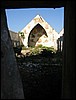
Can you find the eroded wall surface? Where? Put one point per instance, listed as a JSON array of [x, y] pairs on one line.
[[33, 28]]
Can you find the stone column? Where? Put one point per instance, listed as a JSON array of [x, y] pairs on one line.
[[11, 85], [68, 79]]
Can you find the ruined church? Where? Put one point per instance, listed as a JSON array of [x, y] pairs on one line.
[[39, 32]]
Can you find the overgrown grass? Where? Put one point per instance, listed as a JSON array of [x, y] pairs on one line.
[[38, 49], [24, 48]]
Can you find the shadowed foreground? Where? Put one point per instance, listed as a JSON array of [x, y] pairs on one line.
[[41, 77]]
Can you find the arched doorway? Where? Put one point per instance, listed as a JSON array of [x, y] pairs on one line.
[[35, 34]]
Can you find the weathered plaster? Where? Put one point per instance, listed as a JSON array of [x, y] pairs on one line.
[[52, 35]]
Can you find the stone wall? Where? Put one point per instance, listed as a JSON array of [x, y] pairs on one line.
[[50, 39], [11, 85], [16, 41]]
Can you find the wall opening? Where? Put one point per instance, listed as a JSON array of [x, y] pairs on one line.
[[35, 35], [41, 74]]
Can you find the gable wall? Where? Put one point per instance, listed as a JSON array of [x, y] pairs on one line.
[[51, 40]]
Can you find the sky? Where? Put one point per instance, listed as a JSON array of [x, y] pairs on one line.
[[17, 19]]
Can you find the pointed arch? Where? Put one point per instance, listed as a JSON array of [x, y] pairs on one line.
[[35, 34]]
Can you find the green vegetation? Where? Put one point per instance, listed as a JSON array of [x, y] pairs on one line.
[[39, 50], [24, 48], [21, 34], [33, 35]]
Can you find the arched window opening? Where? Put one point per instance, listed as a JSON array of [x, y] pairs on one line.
[[35, 34]]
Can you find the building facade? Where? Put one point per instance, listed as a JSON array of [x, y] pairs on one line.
[[16, 41], [39, 32]]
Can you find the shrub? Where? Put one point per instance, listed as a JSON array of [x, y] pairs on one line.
[[35, 51], [24, 48], [46, 48], [41, 50], [21, 34]]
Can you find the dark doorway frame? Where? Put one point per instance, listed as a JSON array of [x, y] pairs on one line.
[[68, 79]]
